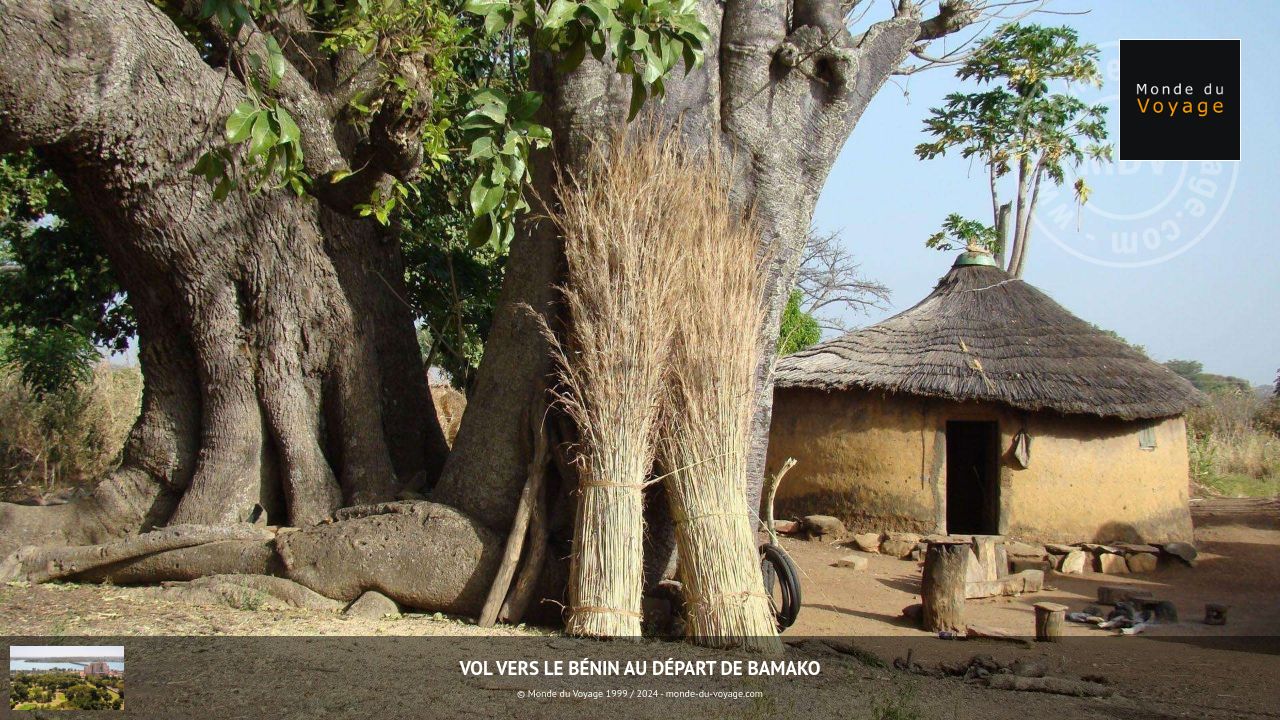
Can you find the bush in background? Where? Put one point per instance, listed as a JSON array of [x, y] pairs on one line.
[[65, 439], [1234, 443]]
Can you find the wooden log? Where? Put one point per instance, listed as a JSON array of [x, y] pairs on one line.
[[530, 572], [519, 526], [943, 587], [1049, 621]]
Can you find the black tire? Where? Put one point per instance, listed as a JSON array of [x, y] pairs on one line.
[[778, 568]]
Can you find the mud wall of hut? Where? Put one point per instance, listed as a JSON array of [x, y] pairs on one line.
[[879, 463]]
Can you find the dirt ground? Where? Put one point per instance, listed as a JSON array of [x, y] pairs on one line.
[[1178, 670]]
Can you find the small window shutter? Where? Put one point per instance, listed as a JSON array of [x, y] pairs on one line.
[[1147, 438]]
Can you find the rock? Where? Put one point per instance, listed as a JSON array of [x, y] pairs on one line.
[[1128, 548], [1095, 548], [913, 612], [1142, 562], [1112, 594], [983, 589], [786, 527], [1023, 667], [1164, 611], [973, 571], [1033, 580], [1073, 563], [821, 526], [1186, 552], [1057, 549], [908, 537], [1016, 548], [853, 562], [1018, 564], [1110, 564], [867, 542], [897, 548], [372, 605]]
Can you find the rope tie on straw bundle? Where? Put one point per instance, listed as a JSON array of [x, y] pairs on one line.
[[692, 599], [702, 516], [605, 610]]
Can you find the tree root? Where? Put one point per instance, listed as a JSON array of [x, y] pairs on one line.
[[43, 563], [420, 554]]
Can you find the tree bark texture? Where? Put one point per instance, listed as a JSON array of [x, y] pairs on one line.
[[281, 368], [942, 588]]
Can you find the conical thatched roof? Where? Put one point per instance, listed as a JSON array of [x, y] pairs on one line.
[[983, 335]]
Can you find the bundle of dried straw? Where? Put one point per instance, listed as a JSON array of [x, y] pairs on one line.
[[664, 307], [613, 218], [706, 417]]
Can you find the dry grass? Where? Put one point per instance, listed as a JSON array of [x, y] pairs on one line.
[[1233, 444], [718, 311], [614, 218], [66, 440], [450, 404]]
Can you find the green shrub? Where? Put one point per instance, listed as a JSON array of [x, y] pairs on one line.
[[1233, 445]]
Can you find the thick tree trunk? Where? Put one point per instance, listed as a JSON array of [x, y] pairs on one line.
[[778, 94], [280, 365]]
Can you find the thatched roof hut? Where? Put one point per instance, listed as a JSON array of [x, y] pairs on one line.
[[885, 416], [984, 336]]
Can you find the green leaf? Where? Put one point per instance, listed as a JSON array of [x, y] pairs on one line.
[[240, 121], [573, 57], [476, 121], [340, 175], [483, 7], [637, 97], [222, 189], [289, 132], [482, 148], [275, 62], [639, 40], [525, 105], [262, 138], [480, 230], [484, 196], [560, 12]]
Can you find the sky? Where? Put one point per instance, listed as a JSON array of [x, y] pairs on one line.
[[32, 652], [1205, 288]]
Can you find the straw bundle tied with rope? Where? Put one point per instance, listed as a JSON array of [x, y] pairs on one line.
[[663, 308], [706, 420], [617, 293]]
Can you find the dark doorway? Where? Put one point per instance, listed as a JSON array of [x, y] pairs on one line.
[[973, 478]]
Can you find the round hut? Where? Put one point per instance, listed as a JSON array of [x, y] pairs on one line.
[[985, 409]]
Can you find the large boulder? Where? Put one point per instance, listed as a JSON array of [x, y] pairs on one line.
[[822, 527], [373, 605], [1073, 563], [867, 542]]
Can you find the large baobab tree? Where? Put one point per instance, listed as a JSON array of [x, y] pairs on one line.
[[282, 375], [781, 89]]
